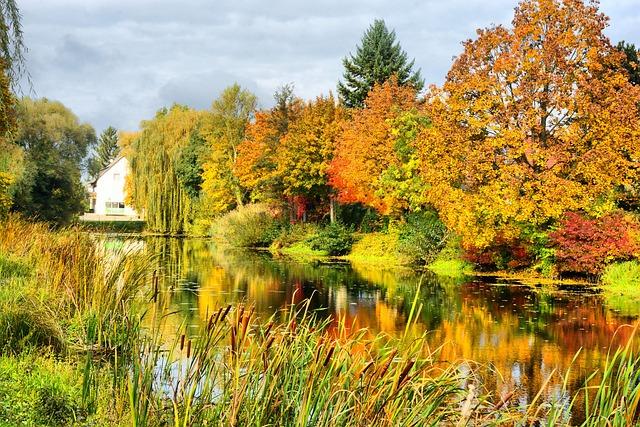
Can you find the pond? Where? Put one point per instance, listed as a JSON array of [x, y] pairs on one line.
[[517, 334]]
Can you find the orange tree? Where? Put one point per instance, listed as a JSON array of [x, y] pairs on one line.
[[366, 147], [532, 121], [256, 164]]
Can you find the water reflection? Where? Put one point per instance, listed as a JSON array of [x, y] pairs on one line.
[[517, 335]]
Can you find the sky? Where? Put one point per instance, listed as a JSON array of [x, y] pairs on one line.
[[116, 62]]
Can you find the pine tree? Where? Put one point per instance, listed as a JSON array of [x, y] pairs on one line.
[[630, 61], [106, 152], [377, 59]]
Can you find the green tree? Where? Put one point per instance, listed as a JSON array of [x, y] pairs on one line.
[[630, 61], [106, 152], [189, 167], [377, 59], [55, 144], [154, 185]]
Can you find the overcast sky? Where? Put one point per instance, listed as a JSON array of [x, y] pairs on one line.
[[115, 62]]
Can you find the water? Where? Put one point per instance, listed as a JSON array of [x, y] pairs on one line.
[[516, 334]]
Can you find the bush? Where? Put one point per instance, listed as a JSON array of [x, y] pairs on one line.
[[422, 236], [585, 246], [502, 254], [334, 239], [291, 234], [254, 225]]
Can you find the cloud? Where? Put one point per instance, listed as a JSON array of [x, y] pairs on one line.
[[118, 61]]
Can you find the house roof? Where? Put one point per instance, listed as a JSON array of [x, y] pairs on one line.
[[109, 166]]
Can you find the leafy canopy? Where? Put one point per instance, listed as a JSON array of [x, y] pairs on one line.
[[55, 145], [377, 58], [533, 121]]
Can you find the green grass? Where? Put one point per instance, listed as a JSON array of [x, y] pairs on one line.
[[621, 286], [302, 250], [451, 268], [39, 390], [378, 249], [11, 266]]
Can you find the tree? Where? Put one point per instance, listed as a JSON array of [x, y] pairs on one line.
[[224, 130], [106, 152], [55, 145], [377, 59], [630, 61], [532, 121], [366, 147], [154, 186], [12, 47], [306, 150], [257, 164]]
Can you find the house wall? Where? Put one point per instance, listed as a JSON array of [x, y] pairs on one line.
[[110, 188]]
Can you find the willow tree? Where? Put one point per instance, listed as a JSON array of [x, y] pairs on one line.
[[154, 185]]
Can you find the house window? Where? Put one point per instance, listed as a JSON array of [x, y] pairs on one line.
[[114, 205]]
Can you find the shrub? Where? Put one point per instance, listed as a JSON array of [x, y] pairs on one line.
[[501, 254], [334, 239], [422, 236], [378, 248], [254, 225], [291, 234], [584, 245]]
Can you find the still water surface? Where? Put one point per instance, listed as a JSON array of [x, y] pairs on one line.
[[517, 334]]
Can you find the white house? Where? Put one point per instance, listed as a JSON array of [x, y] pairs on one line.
[[107, 191]]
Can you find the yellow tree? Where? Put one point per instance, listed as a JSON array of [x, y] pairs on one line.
[[306, 150], [224, 129], [366, 147], [532, 121]]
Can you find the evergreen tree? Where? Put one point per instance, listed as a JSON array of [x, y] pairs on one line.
[[630, 62], [377, 58], [106, 152]]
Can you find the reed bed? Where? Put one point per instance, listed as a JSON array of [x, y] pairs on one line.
[[105, 311]]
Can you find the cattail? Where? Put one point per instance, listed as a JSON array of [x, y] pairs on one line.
[[218, 315], [233, 339], [188, 349], [269, 326], [329, 354], [385, 367], [181, 342], [366, 368], [245, 323], [269, 342], [224, 315], [405, 372]]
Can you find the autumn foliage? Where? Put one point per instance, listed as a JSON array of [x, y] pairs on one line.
[[586, 245], [366, 146], [532, 121]]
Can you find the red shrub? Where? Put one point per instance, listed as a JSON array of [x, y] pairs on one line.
[[502, 254], [585, 245]]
